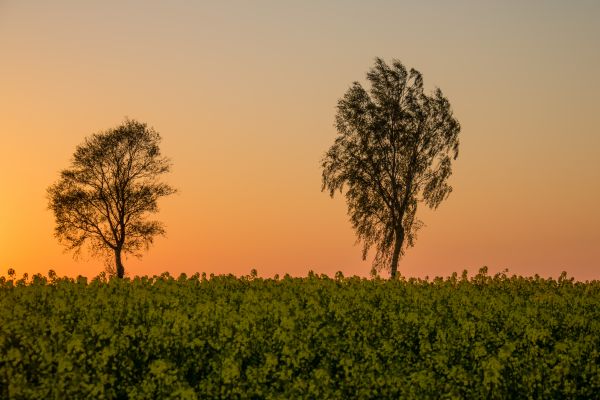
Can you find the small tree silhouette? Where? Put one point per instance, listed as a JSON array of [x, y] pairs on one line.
[[103, 199], [393, 150]]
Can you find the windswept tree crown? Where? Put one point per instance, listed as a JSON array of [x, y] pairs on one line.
[[394, 150]]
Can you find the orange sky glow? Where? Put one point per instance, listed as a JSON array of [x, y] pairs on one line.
[[244, 96]]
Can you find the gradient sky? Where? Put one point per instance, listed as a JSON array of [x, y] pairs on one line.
[[244, 96]]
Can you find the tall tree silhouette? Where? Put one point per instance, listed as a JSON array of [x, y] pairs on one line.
[[393, 150], [104, 198]]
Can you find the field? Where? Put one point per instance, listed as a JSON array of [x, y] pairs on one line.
[[315, 337]]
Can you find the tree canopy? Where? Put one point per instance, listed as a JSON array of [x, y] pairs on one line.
[[104, 199], [394, 150]]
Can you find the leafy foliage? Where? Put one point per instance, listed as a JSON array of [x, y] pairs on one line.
[[393, 150], [103, 200], [225, 337]]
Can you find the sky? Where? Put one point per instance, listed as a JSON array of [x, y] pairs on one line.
[[244, 95]]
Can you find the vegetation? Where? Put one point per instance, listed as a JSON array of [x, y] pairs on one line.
[[103, 200], [394, 150], [314, 337]]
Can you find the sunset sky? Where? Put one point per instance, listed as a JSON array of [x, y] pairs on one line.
[[244, 95]]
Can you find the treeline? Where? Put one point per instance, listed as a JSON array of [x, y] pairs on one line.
[[314, 337]]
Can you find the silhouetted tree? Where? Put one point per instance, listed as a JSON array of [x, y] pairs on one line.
[[104, 198], [393, 150]]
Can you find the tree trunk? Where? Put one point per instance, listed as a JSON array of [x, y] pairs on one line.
[[396, 255], [119, 264]]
